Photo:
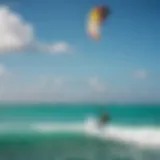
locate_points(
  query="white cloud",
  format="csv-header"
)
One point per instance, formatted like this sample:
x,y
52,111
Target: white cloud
x,y
15,34
58,81
18,35
54,48
52,89
97,85
45,88
60,47
2,70
140,74
59,89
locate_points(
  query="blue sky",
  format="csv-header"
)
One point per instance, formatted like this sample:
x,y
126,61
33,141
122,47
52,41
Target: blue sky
x,y
69,65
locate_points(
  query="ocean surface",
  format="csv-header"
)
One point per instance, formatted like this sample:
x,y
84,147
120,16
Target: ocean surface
x,y
69,132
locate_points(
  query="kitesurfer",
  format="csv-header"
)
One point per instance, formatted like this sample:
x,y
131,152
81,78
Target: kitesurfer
x,y
104,119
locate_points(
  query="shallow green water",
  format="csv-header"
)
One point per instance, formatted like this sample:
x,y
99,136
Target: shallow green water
x,y
20,139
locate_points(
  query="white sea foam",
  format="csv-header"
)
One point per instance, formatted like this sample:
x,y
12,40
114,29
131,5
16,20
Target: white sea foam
x,y
142,136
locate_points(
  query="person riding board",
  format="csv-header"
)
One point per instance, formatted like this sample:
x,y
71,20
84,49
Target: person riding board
x,y
104,119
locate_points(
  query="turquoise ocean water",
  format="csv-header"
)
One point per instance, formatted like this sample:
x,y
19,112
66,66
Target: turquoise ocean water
x,y
69,132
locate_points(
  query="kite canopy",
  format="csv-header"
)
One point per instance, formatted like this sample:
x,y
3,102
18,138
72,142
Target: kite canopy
x,y
96,18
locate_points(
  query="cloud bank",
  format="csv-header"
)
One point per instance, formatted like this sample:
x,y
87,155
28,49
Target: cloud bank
x,y
16,35
51,88
140,74
58,88
97,85
2,70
